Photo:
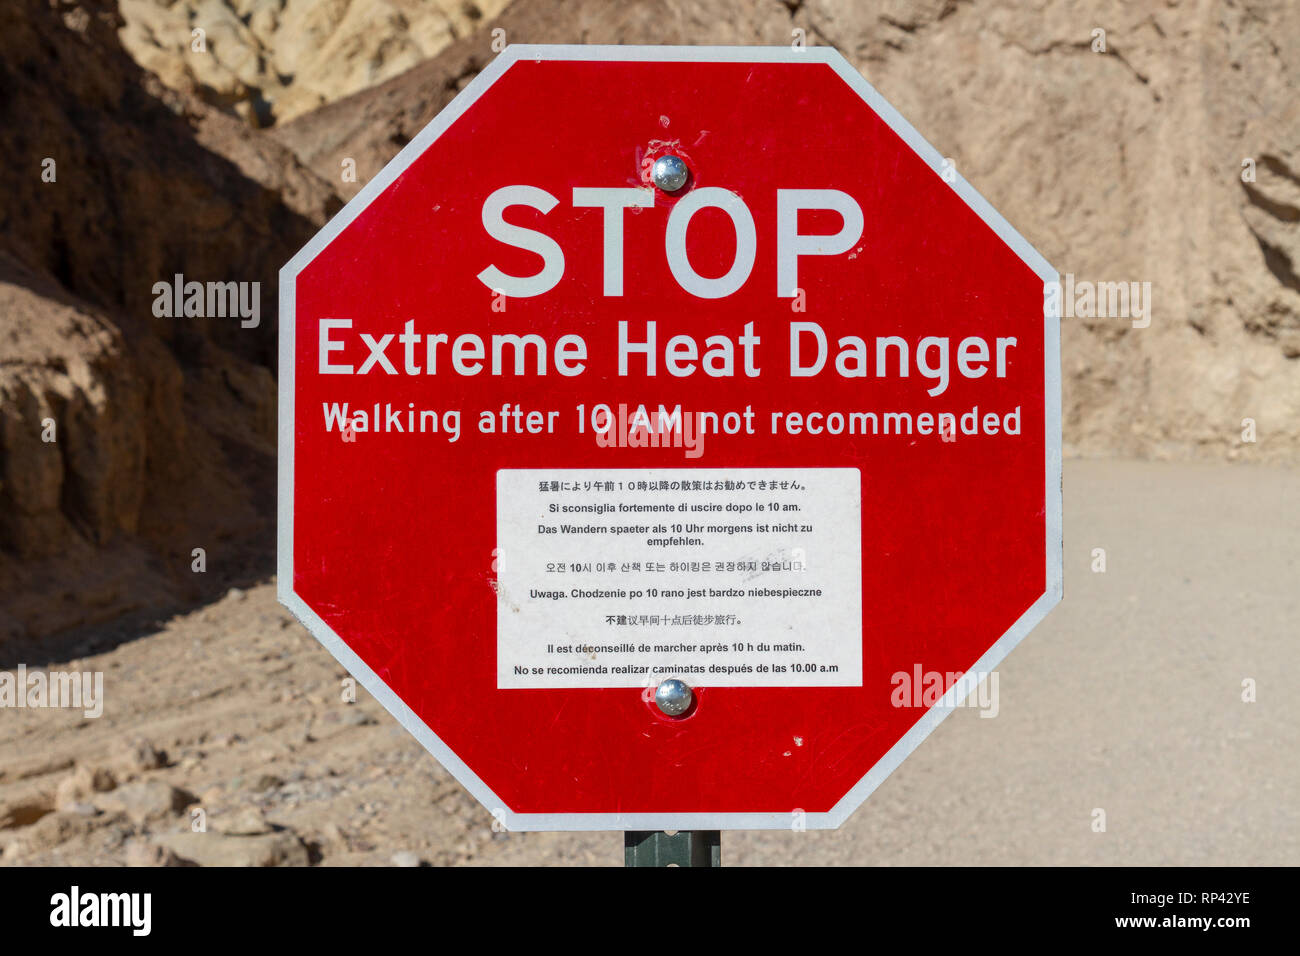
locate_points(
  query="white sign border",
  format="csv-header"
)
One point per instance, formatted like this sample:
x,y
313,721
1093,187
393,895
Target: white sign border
x,y
667,821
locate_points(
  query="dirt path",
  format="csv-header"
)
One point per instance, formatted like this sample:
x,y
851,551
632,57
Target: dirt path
x,y
1127,699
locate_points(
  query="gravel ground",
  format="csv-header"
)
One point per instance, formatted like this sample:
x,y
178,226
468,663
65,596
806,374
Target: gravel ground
x,y
1127,699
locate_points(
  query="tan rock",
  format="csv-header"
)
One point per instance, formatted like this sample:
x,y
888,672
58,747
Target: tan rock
x,y
272,60
146,800
138,755
144,853
246,821
80,785
54,829
279,848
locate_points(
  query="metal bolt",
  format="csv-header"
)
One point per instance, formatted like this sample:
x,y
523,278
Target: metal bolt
x,y
673,697
669,173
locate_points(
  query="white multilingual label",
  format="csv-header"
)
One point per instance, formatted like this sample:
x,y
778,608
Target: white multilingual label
x,y
724,577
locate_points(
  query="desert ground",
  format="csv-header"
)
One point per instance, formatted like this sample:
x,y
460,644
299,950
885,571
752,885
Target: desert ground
x,y
1127,699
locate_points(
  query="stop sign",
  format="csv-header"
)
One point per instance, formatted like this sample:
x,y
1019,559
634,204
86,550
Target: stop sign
x,y
651,364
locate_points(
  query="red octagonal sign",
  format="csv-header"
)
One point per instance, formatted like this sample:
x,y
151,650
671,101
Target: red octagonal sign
x,y
642,365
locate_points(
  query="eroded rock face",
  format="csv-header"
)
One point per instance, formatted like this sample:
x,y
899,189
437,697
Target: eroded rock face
x,y
71,407
272,60
1126,166
129,438
1172,157
1114,136
371,127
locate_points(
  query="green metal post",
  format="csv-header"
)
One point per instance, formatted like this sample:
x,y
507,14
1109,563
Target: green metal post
x,y
683,848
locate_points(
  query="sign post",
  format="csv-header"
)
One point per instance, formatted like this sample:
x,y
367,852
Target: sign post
x,y
683,848
675,456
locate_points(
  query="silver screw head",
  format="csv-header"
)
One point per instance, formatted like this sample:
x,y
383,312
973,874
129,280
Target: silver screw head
x,y
669,173
674,697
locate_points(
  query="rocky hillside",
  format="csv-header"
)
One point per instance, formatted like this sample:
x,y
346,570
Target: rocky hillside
x,y
1117,137
1130,142
271,60
129,439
